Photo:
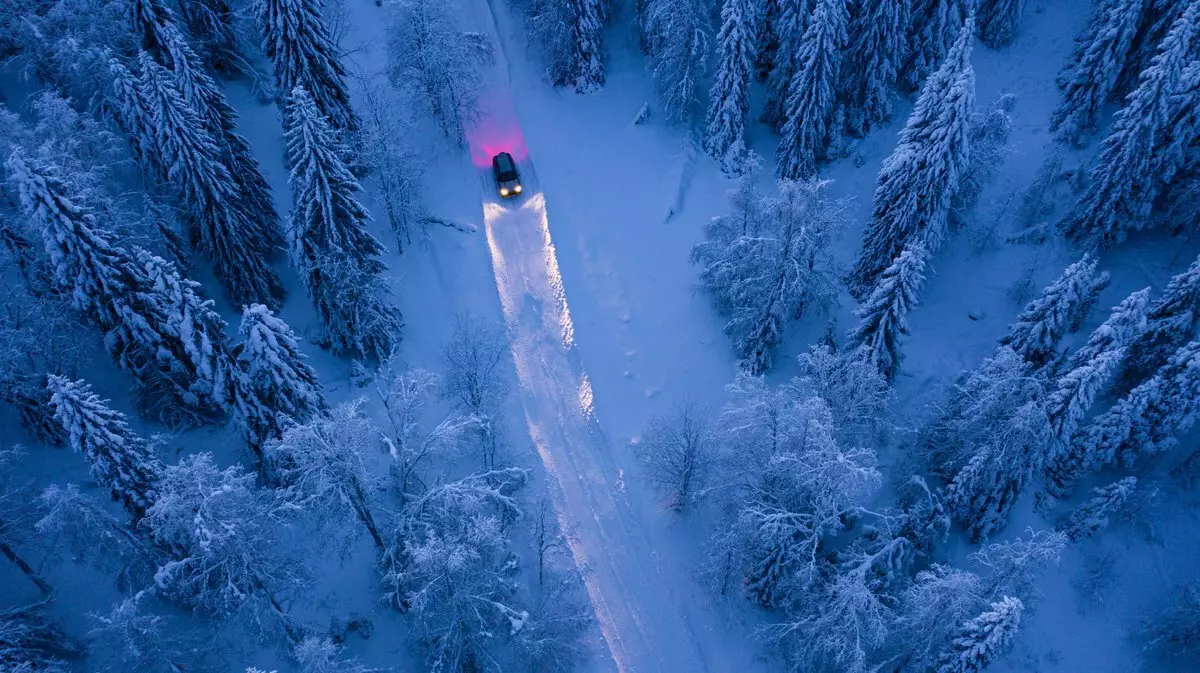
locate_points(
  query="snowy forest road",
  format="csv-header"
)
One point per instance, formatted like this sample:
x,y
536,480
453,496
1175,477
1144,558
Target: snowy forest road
x,y
640,600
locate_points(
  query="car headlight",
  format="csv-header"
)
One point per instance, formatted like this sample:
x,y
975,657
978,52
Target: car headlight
x,y
503,191
517,189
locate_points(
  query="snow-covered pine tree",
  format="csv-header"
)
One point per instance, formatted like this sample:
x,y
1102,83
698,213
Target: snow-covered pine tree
x,y
191,330
766,270
128,110
304,54
1100,54
918,181
1091,366
934,28
729,98
588,41
1061,307
999,21
328,237
883,318
878,41
789,29
120,460
984,639
1157,18
219,222
142,326
1147,419
211,25
765,30
1170,321
275,385
219,118
678,34
1092,516
1137,160
811,95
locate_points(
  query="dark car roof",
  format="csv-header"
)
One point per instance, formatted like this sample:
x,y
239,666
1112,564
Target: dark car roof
x,y
504,165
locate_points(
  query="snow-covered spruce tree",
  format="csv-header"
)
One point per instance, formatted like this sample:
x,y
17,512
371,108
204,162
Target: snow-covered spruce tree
x,y
677,450
934,28
207,98
446,566
1092,516
789,29
1170,322
129,111
220,224
878,41
323,464
678,38
729,98
1157,18
1088,370
224,538
1091,366
1146,420
1143,152
1062,306
983,639
765,29
119,459
142,326
211,24
883,318
811,96
984,491
1093,76
276,387
329,239
298,43
437,63
919,180
588,39
768,267
999,21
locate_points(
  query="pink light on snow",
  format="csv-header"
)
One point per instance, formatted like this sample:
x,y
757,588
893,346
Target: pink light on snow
x,y
496,131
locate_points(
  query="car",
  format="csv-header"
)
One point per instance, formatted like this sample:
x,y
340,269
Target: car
x,y
507,177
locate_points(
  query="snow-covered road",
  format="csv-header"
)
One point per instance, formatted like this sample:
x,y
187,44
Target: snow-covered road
x,y
645,604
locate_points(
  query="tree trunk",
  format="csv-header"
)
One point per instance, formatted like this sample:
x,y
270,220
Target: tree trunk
x,y
32,574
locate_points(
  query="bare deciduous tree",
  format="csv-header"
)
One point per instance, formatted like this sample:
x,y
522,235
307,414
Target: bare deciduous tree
x,y
677,451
